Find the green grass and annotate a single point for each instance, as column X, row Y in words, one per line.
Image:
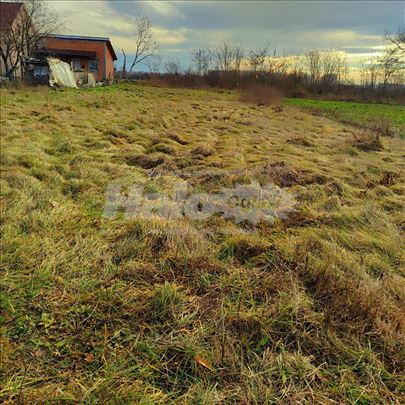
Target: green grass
column 362, row 114
column 154, row 310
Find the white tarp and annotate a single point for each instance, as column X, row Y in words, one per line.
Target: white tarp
column 60, row 73
column 85, row 79
column 91, row 80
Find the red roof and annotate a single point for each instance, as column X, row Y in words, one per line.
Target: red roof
column 86, row 38
column 8, row 13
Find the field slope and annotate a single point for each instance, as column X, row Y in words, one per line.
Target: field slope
column 160, row 310
column 385, row 117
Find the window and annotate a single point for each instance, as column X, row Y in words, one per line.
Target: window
column 93, row 65
column 40, row 71
column 76, row 64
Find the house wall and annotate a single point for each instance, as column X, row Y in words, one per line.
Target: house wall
column 110, row 64
column 103, row 55
column 20, row 17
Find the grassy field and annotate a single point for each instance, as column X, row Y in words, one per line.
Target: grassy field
column 362, row 114
column 309, row 309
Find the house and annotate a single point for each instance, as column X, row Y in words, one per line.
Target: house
column 13, row 23
column 87, row 56
column 83, row 53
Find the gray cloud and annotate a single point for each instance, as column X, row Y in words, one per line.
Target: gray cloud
column 366, row 16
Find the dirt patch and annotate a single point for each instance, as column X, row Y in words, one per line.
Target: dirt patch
column 177, row 138
column 167, row 168
column 298, row 219
column 244, row 327
column 145, row 161
column 389, row 178
column 203, row 150
column 315, row 178
column 220, row 178
column 334, row 188
column 282, row 174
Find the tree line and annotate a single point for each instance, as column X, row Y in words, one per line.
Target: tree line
column 318, row 67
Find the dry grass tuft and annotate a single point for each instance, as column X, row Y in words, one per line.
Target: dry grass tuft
column 383, row 126
column 367, row 141
column 166, row 303
column 164, row 148
column 300, row 142
column 243, row 248
column 203, row 150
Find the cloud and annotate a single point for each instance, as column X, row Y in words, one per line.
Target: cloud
column 341, row 37
column 164, row 8
column 169, row 37
column 83, row 18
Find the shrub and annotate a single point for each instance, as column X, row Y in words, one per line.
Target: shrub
column 367, row 141
column 261, row 95
column 383, row 126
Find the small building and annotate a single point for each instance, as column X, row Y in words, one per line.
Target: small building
column 84, row 54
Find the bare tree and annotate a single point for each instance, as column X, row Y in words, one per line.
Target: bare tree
column 257, row 57
column 329, row 66
column 154, row 63
column 202, row 60
column 272, row 62
column 397, row 39
column 228, row 56
column 313, row 64
column 145, row 46
column 342, row 66
column 124, row 66
column 223, row 54
column 295, row 70
column 392, row 63
column 173, row 67
column 33, row 24
column 238, row 55
column 334, row 67
column 370, row 71
column 296, row 64
column 282, row 64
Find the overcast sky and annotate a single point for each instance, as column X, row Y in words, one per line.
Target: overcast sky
column 355, row 26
